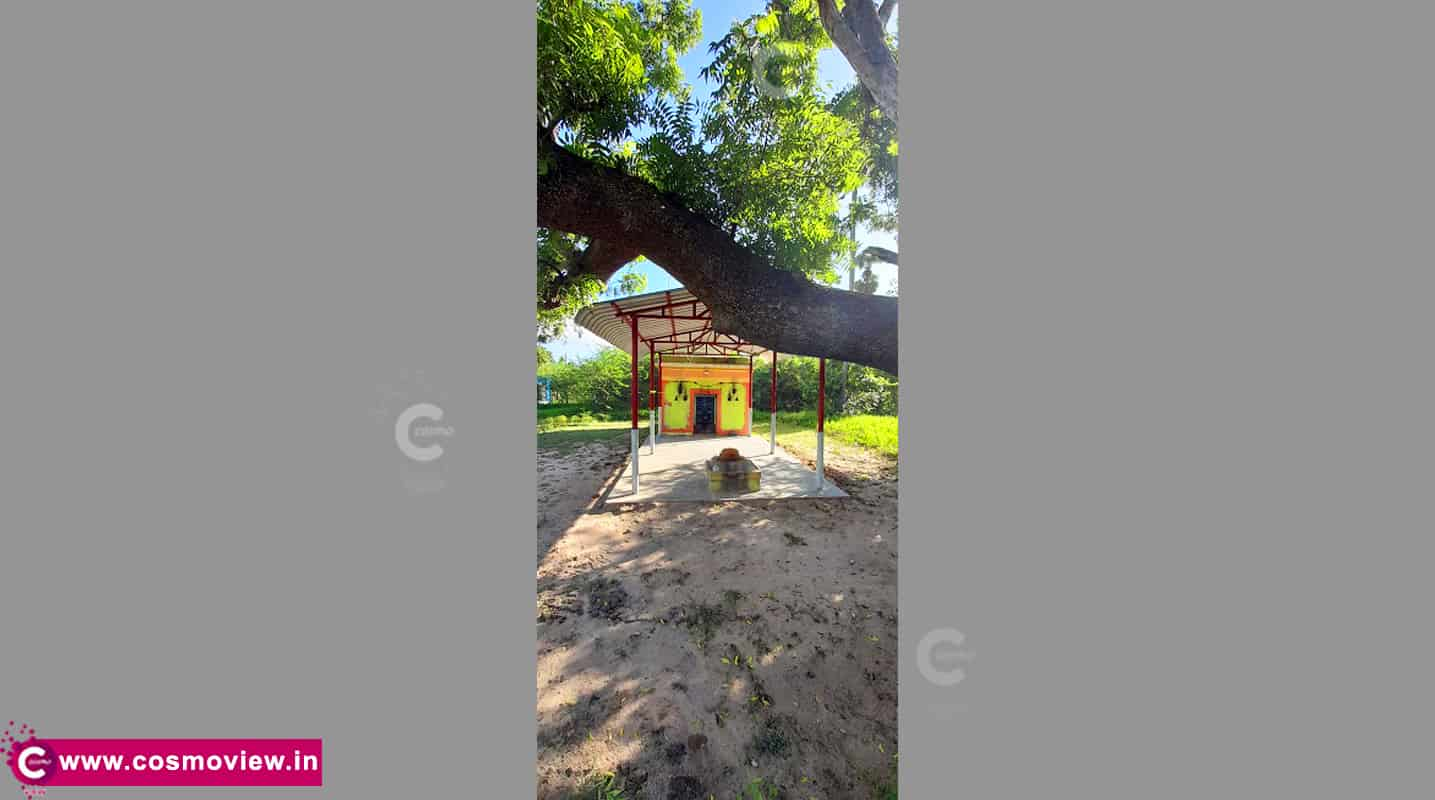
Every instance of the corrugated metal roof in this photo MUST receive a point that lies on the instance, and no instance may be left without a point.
(673, 321)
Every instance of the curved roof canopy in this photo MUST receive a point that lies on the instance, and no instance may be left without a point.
(670, 321)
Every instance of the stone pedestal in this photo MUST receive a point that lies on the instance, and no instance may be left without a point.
(733, 475)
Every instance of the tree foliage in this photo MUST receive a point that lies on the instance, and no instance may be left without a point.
(771, 158)
(767, 158)
(563, 290)
(599, 59)
(600, 382)
(870, 391)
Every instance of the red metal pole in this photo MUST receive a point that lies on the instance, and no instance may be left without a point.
(652, 402)
(633, 321)
(749, 394)
(821, 392)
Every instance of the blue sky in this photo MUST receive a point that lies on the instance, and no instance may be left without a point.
(832, 68)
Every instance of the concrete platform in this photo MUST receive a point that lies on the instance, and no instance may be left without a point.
(676, 473)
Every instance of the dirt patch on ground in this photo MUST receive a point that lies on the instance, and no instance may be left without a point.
(688, 651)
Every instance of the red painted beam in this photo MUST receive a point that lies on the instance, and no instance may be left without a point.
(722, 349)
(691, 337)
(701, 337)
(706, 346)
(652, 382)
(660, 307)
(674, 337)
(623, 313)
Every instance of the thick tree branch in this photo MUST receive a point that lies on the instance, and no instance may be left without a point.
(862, 18)
(874, 253)
(884, 12)
(860, 36)
(599, 260)
(748, 297)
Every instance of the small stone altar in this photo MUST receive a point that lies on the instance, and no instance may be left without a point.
(728, 471)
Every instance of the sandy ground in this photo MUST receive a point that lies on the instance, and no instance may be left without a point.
(690, 650)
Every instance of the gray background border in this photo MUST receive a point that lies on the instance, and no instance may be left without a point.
(238, 239)
(1173, 254)
(1175, 261)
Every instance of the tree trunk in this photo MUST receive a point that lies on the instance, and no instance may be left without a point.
(748, 297)
(857, 31)
(851, 281)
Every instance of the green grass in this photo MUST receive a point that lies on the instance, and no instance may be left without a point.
(561, 416)
(568, 427)
(572, 437)
(570, 410)
(603, 786)
(799, 428)
(759, 789)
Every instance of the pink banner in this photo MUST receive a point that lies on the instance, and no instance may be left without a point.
(168, 762)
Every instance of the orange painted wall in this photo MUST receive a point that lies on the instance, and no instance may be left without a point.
(707, 379)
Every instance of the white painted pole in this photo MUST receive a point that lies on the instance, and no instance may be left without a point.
(653, 388)
(635, 457)
(772, 405)
(820, 479)
(821, 415)
(633, 399)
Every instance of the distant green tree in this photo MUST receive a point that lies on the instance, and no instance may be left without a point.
(599, 382)
(872, 391)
